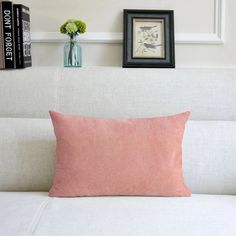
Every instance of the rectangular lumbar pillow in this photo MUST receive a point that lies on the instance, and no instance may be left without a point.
(98, 157)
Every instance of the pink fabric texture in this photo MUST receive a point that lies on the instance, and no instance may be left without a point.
(98, 157)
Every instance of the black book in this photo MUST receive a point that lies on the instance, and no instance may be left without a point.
(22, 36)
(8, 34)
(2, 58)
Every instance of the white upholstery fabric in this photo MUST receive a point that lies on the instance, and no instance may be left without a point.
(28, 93)
(36, 214)
(117, 92)
(27, 152)
(19, 212)
(209, 156)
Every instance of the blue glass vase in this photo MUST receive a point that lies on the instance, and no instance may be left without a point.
(72, 53)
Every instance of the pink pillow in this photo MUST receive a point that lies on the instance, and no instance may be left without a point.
(118, 157)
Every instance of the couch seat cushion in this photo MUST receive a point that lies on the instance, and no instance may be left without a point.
(35, 213)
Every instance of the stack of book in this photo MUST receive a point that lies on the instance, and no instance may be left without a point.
(15, 43)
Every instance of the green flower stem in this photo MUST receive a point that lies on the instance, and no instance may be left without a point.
(72, 43)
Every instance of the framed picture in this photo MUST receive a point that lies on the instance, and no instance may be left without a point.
(149, 38)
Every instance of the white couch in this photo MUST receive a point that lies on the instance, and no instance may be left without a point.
(27, 150)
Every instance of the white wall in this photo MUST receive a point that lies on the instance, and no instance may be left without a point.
(192, 19)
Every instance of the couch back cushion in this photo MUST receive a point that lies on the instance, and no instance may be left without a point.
(27, 151)
(119, 93)
(27, 155)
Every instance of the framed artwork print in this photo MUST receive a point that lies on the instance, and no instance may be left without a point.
(149, 39)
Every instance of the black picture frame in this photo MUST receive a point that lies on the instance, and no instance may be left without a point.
(167, 58)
